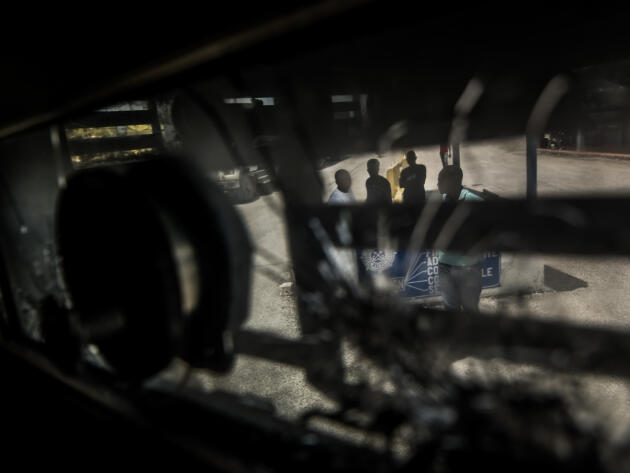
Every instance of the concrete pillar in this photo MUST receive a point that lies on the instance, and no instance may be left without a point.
(456, 161)
(532, 167)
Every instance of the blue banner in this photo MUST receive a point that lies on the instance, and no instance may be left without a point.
(418, 275)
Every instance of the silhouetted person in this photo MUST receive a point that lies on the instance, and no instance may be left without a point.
(412, 179)
(378, 188)
(342, 194)
(460, 274)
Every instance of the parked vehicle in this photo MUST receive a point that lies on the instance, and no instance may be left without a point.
(244, 184)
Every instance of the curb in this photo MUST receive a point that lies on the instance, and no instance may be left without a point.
(584, 153)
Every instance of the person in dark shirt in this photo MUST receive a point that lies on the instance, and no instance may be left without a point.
(459, 273)
(412, 179)
(378, 188)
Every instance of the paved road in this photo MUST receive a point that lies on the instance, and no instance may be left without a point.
(600, 298)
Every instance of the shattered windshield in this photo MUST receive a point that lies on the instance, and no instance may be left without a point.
(377, 254)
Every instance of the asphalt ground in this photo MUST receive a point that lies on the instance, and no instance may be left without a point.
(596, 292)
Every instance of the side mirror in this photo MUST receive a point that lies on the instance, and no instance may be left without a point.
(157, 264)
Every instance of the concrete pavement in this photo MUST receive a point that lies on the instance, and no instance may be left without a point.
(601, 299)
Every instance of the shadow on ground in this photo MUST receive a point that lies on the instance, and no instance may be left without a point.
(561, 281)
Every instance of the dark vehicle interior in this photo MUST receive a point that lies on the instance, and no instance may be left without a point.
(151, 319)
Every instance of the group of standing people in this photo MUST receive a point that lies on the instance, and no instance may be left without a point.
(460, 274)
(379, 190)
